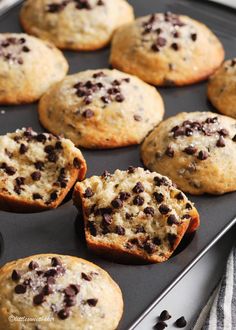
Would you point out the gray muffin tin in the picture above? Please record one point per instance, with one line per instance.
(59, 231)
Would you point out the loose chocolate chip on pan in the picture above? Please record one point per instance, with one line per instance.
(181, 322)
(20, 289)
(160, 325)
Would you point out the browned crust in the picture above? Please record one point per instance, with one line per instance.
(116, 63)
(194, 222)
(112, 251)
(21, 205)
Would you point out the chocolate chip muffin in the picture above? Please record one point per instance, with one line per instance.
(101, 109)
(197, 150)
(37, 170)
(134, 215)
(75, 24)
(222, 88)
(28, 67)
(166, 49)
(58, 292)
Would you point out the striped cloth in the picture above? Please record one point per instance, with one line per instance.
(220, 311)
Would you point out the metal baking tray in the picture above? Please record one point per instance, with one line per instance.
(58, 230)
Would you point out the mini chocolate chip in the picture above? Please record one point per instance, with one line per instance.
(128, 216)
(138, 188)
(23, 149)
(160, 325)
(106, 99)
(137, 118)
(70, 291)
(50, 280)
(179, 196)
(107, 219)
(161, 42)
(63, 314)
(181, 322)
(49, 149)
(119, 98)
(20, 289)
(70, 301)
(171, 238)
(88, 113)
(53, 196)
(76, 163)
(124, 195)
(202, 155)
(37, 196)
(194, 36)
(39, 165)
(131, 169)
(190, 150)
(36, 176)
(88, 193)
(138, 200)
(38, 299)
(98, 74)
(41, 138)
(17, 189)
(86, 277)
(92, 228)
(156, 241)
(52, 157)
(149, 210)
(223, 132)
(188, 206)
(155, 48)
(50, 273)
(117, 203)
(149, 247)
(20, 181)
(92, 302)
(172, 220)
(170, 152)
(139, 229)
(158, 197)
(47, 290)
(10, 170)
(15, 276)
(221, 142)
(58, 145)
(56, 262)
(120, 230)
(175, 46)
(33, 265)
(164, 209)
(234, 138)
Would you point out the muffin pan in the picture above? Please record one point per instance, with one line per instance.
(59, 231)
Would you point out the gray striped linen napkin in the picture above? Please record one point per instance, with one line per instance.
(220, 310)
